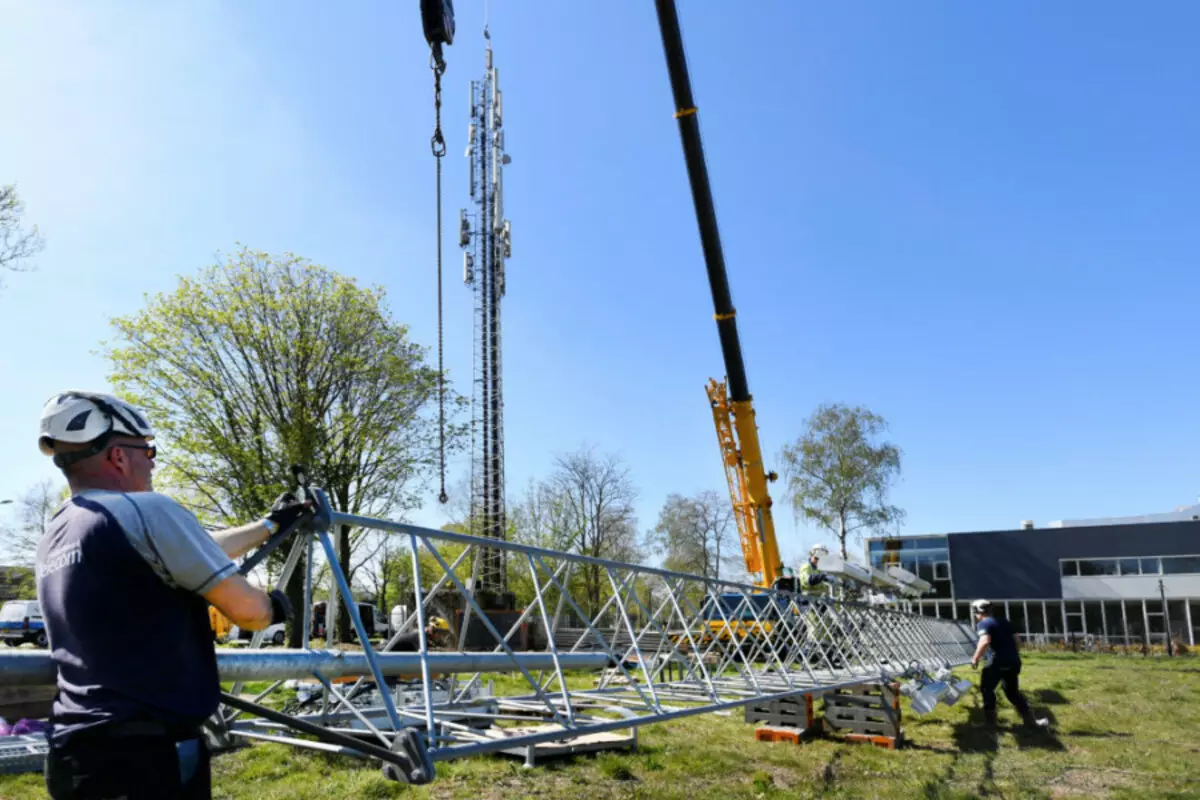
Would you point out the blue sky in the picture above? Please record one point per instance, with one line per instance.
(977, 219)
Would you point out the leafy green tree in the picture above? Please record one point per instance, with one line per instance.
(838, 474)
(263, 361)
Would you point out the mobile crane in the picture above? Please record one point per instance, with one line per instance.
(732, 407)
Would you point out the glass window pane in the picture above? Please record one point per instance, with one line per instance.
(1156, 623)
(1034, 618)
(1070, 568)
(1177, 619)
(1129, 566)
(1149, 566)
(1093, 618)
(1016, 615)
(1181, 565)
(1112, 619)
(1133, 613)
(1074, 623)
(1097, 566)
(1074, 607)
(1054, 617)
(1154, 606)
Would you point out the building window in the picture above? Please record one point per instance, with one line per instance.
(918, 555)
(1113, 621)
(1035, 616)
(1165, 565)
(1177, 619)
(1054, 619)
(1016, 616)
(1129, 566)
(1097, 566)
(1181, 565)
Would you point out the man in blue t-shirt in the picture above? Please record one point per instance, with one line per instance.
(125, 576)
(1002, 664)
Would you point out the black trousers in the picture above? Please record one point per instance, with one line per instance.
(1009, 677)
(103, 767)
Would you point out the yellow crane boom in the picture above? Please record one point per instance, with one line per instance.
(747, 479)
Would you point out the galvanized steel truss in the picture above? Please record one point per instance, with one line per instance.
(658, 645)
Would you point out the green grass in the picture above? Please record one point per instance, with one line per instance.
(1126, 727)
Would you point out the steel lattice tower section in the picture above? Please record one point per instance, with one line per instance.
(485, 236)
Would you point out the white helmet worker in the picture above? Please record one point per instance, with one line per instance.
(981, 607)
(818, 550)
(75, 417)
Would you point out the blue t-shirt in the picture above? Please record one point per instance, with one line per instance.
(120, 578)
(1002, 643)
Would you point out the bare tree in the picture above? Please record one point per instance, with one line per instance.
(34, 510)
(696, 533)
(16, 243)
(596, 496)
(541, 518)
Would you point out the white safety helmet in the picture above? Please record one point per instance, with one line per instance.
(818, 550)
(81, 417)
(981, 606)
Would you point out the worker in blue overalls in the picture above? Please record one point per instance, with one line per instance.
(998, 649)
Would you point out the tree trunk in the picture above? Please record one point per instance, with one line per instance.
(345, 628)
(842, 534)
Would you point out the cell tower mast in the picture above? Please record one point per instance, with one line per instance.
(485, 236)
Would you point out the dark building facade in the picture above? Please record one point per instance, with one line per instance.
(1108, 580)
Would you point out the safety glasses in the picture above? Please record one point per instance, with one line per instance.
(151, 450)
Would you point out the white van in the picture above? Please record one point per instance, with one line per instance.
(21, 621)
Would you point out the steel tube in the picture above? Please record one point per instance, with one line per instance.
(377, 524)
(37, 668)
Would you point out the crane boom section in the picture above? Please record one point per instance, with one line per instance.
(741, 454)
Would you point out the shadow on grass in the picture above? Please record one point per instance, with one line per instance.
(1051, 697)
(1037, 739)
(974, 735)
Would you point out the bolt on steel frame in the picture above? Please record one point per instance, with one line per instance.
(661, 645)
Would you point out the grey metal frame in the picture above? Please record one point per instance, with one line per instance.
(662, 645)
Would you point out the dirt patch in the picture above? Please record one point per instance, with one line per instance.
(1088, 782)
